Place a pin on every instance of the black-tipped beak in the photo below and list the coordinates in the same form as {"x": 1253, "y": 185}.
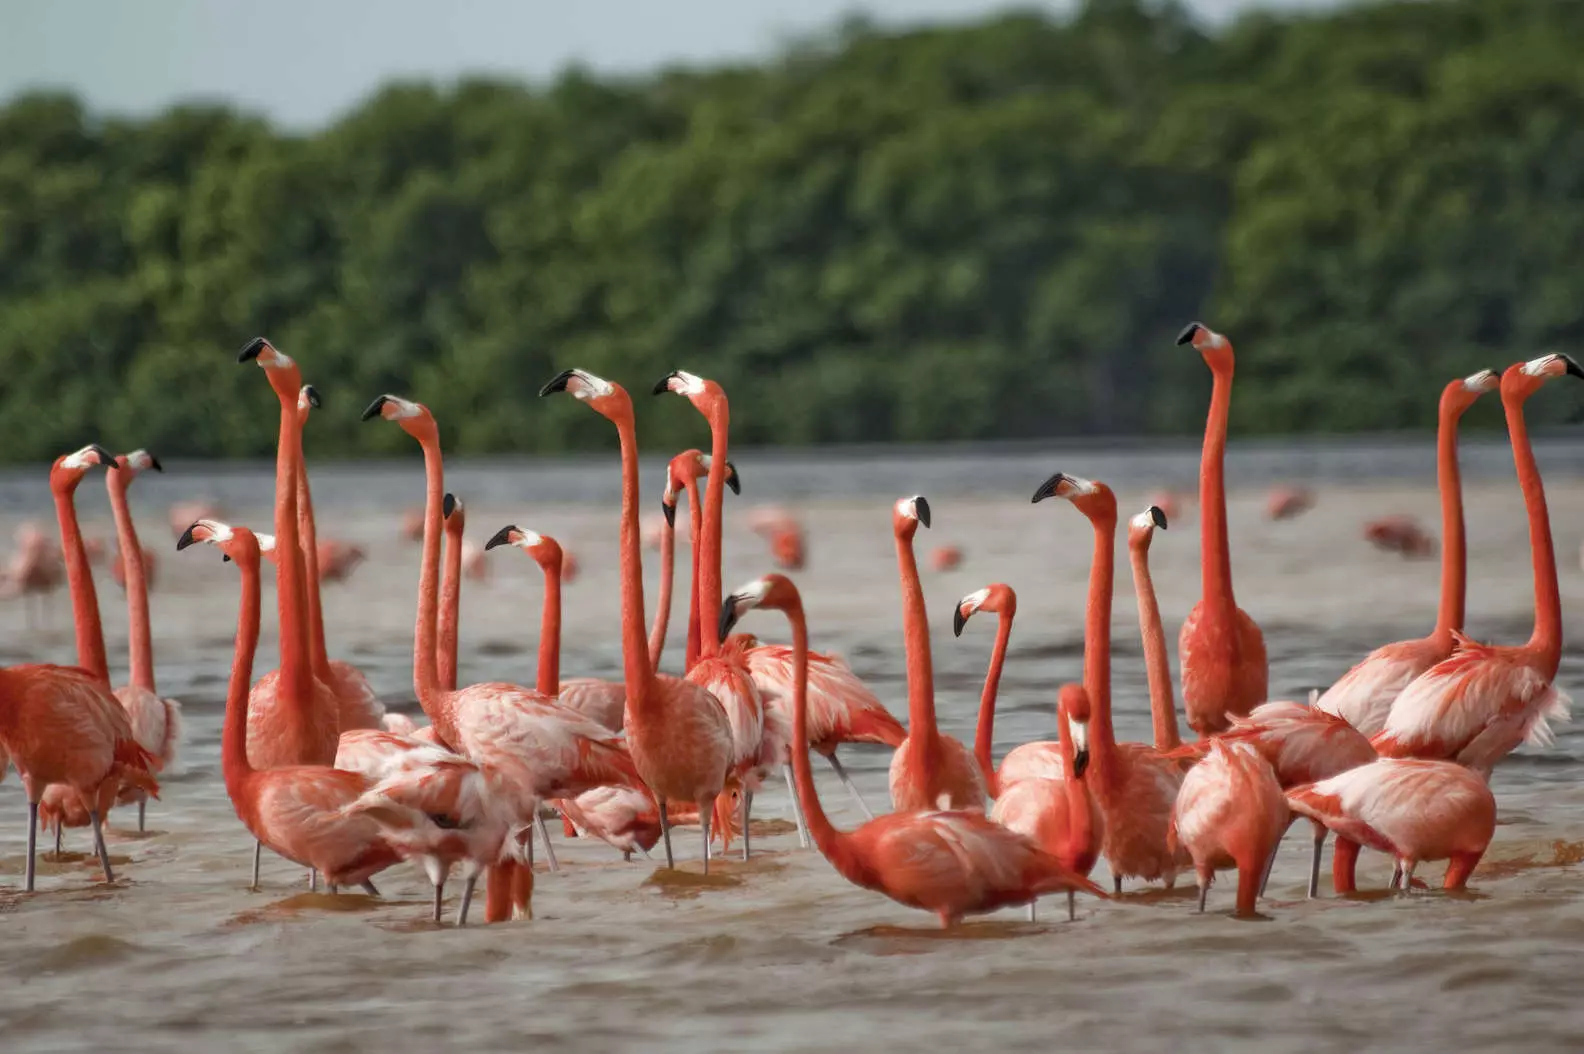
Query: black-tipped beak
{"x": 186, "y": 539}
{"x": 155, "y": 465}
{"x": 558, "y": 383}
{"x": 374, "y": 408}
{"x": 1188, "y": 333}
{"x": 448, "y": 506}
{"x": 225, "y": 558}
{"x": 959, "y": 620}
{"x": 1572, "y": 367}
{"x": 731, "y": 478}
{"x": 670, "y": 513}
{"x": 106, "y": 458}
{"x": 664, "y": 384}
{"x": 1080, "y": 762}
{"x": 1049, "y": 487}
{"x": 729, "y": 614}
{"x": 921, "y": 506}
{"x": 502, "y": 537}
{"x": 1158, "y": 516}
{"x": 254, "y": 348}
{"x": 313, "y": 396}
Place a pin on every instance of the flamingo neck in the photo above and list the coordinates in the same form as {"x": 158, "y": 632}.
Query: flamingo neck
{"x": 1215, "y": 550}
{"x": 636, "y": 671}
{"x": 79, "y": 579}
{"x": 662, "y": 615}
{"x": 426, "y": 671}
{"x": 984, "y": 734}
{"x": 290, "y": 592}
{"x": 234, "y": 762}
{"x": 319, "y": 652}
{"x": 1454, "y": 547}
{"x": 549, "y": 683}
{"x": 140, "y": 638}
{"x": 834, "y": 844}
{"x": 695, "y": 592}
{"x": 709, "y": 602}
{"x": 1546, "y": 641}
{"x": 450, "y": 614}
{"x": 916, "y": 644}
{"x": 1157, "y": 667}
{"x": 1097, "y": 648}
{"x": 1080, "y": 818}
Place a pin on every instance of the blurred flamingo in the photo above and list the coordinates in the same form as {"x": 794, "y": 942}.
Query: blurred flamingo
{"x": 183, "y": 513}
{"x": 945, "y": 557}
{"x": 1286, "y": 502}
{"x": 784, "y": 534}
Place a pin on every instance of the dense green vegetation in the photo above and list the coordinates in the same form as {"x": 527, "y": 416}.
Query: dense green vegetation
{"x": 984, "y": 231}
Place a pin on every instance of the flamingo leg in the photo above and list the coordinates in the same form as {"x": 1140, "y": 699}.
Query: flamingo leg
{"x": 1270, "y": 865}
{"x": 258, "y": 852}
{"x": 797, "y": 806}
{"x": 467, "y": 901}
{"x": 142, "y": 809}
{"x": 1204, "y": 891}
{"x": 58, "y": 829}
{"x": 334, "y": 889}
{"x": 645, "y": 852}
{"x": 705, "y": 808}
{"x": 852, "y": 788}
{"x": 32, "y": 842}
{"x": 1033, "y": 914}
{"x": 747, "y": 806}
{"x": 1116, "y": 884}
{"x": 1314, "y": 863}
{"x": 544, "y": 835}
{"x": 99, "y": 845}
{"x": 313, "y": 880}
{"x": 665, "y": 832}
{"x": 439, "y": 899}
{"x": 1072, "y": 905}
{"x": 1396, "y": 874}
{"x": 368, "y": 887}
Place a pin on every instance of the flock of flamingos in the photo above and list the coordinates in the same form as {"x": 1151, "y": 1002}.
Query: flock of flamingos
{"x": 1396, "y": 756}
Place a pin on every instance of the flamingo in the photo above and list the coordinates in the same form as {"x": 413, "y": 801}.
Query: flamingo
{"x": 546, "y": 749}
{"x": 118, "y": 568}
{"x": 1230, "y": 813}
{"x": 722, "y": 669}
{"x": 1060, "y": 816}
{"x": 1135, "y": 784}
{"x": 1157, "y": 667}
{"x": 1363, "y": 696}
{"x": 65, "y": 475}
{"x": 156, "y": 722}
{"x": 1284, "y": 503}
{"x": 1220, "y": 649}
{"x": 949, "y": 862}
{"x": 1399, "y": 534}
{"x": 1477, "y": 705}
{"x": 35, "y": 569}
{"x": 679, "y": 735}
{"x": 1414, "y": 809}
{"x": 945, "y": 557}
{"x": 929, "y": 770}
{"x": 623, "y": 817}
{"x": 682, "y": 474}
{"x": 1001, "y": 600}
{"x": 783, "y": 533}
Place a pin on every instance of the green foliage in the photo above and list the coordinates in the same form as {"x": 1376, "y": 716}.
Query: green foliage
{"x": 984, "y": 231}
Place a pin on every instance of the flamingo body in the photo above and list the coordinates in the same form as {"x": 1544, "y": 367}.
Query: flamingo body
{"x": 1230, "y": 813}
{"x": 842, "y": 709}
{"x": 1300, "y": 743}
{"x": 604, "y": 702}
{"x": 1364, "y": 695}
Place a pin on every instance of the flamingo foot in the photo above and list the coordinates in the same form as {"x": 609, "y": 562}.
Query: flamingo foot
{"x": 1204, "y": 892}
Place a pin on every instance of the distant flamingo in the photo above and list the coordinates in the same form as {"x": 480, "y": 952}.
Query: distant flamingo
{"x": 156, "y": 722}
{"x": 677, "y": 731}
{"x": 1284, "y": 503}
{"x": 1477, "y": 705}
{"x": 1220, "y": 649}
{"x": 1415, "y": 810}
{"x": 1135, "y": 784}
{"x": 338, "y": 559}
{"x": 929, "y": 770}
{"x": 946, "y": 557}
{"x": 35, "y": 569}
{"x": 1399, "y": 534}
{"x": 184, "y": 513}
{"x": 1363, "y": 696}
{"x": 999, "y": 599}
{"x": 950, "y": 863}
{"x": 528, "y": 740}
{"x": 1157, "y": 667}
{"x": 1169, "y": 501}
{"x": 118, "y": 568}
{"x": 722, "y": 669}
{"x": 1230, "y": 813}
{"x": 1060, "y": 816}
{"x": 784, "y": 534}
{"x": 412, "y": 524}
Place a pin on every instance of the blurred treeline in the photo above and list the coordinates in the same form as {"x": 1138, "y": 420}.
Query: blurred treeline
{"x": 975, "y": 232}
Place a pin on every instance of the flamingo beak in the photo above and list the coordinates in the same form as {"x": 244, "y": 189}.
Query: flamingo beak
{"x": 959, "y": 620}
{"x": 1157, "y": 515}
{"x": 1188, "y": 333}
{"x": 448, "y": 506}
{"x": 670, "y": 514}
{"x": 729, "y": 614}
{"x": 731, "y": 478}
{"x": 254, "y": 348}
{"x": 502, "y": 537}
{"x": 1080, "y": 762}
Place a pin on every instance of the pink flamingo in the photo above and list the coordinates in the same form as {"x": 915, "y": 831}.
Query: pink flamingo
{"x": 929, "y": 770}
{"x": 1157, "y": 667}
{"x": 1135, "y": 784}
{"x": 783, "y": 532}
{"x": 1230, "y": 813}
{"x": 951, "y": 863}
{"x": 945, "y": 557}
{"x": 678, "y": 733}
{"x": 530, "y": 740}
{"x": 999, "y": 599}
{"x": 682, "y": 474}
{"x": 65, "y": 475}
{"x": 1477, "y": 705}
{"x": 1363, "y": 696}
{"x": 623, "y": 817}
{"x": 1220, "y": 649}
{"x": 35, "y": 569}
{"x": 1284, "y": 503}
{"x": 1060, "y": 816}
{"x": 1413, "y": 809}
{"x": 156, "y": 722}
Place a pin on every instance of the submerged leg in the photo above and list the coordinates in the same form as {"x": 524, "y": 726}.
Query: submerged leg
{"x": 747, "y": 807}
{"x": 59, "y": 829}
{"x": 313, "y": 880}
{"x": 368, "y": 887}
{"x": 1314, "y": 863}
{"x": 797, "y": 806}
{"x": 1204, "y": 891}
{"x": 258, "y": 852}
{"x": 439, "y": 899}
{"x": 706, "y": 808}
{"x": 1396, "y": 874}
{"x": 1270, "y": 865}
{"x": 544, "y": 836}
{"x": 467, "y": 901}
{"x": 142, "y": 809}
{"x": 665, "y": 833}
{"x": 852, "y": 787}
{"x": 1116, "y": 884}
{"x": 1072, "y": 905}
{"x": 99, "y": 845}
{"x": 1033, "y": 914}
{"x": 32, "y": 843}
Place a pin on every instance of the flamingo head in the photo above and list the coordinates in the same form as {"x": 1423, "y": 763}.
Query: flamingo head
{"x": 307, "y": 399}
{"x": 690, "y": 466}
{"x": 139, "y": 460}
{"x": 1141, "y": 528}
{"x": 69, "y": 469}
{"x": 998, "y": 597}
{"x": 280, "y": 368}
{"x": 1523, "y": 379}
{"x": 1462, "y": 393}
{"x": 234, "y": 543}
{"x": 266, "y": 544}
{"x": 1072, "y": 704}
{"x": 545, "y": 550}
{"x": 1093, "y": 498}
{"x": 774, "y": 592}
{"x": 907, "y": 514}
{"x": 1215, "y": 348}
{"x": 607, "y": 398}
{"x": 454, "y": 513}
{"x": 706, "y": 396}
{"x": 414, "y": 418}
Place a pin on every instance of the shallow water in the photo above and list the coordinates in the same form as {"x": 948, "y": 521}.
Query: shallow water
{"x": 781, "y": 953}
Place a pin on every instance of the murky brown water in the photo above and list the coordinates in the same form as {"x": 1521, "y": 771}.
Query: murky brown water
{"x": 782, "y": 954}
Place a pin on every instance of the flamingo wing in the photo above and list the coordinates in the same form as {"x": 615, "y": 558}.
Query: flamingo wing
{"x": 1364, "y": 695}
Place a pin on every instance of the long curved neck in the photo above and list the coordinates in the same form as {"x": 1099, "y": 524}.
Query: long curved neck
{"x": 549, "y": 682}
{"x": 1454, "y": 547}
{"x": 1157, "y": 667}
{"x": 1097, "y": 649}
{"x": 1215, "y": 556}
{"x": 636, "y": 671}
{"x": 450, "y": 617}
{"x": 915, "y": 638}
{"x": 835, "y": 845}
{"x": 984, "y": 734}
{"x": 233, "y": 736}
{"x": 319, "y": 654}
{"x": 1080, "y": 819}
{"x": 1546, "y": 642}
{"x": 290, "y": 589}
{"x": 426, "y": 671}
{"x": 695, "y": 591}
{"x": 709, "y": 604}
{"x": 140, "y": 638}
{"x": 79, "y": 578}
{"x": 662, "y": 615}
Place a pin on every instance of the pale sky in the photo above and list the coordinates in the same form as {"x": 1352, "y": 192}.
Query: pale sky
{"x": 302, "y": 62}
